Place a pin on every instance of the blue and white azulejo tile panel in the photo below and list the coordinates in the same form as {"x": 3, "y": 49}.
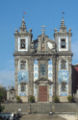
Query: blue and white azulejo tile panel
{"x": 22, "y": 76}
{"x": 63, "y": 93}
{"x": 35, "y": 70}
{"x": 35, "y": 90}
{"x": 51, "y": 90}
{"x": 63, "y": 76}
{"x": 50, "y": 70}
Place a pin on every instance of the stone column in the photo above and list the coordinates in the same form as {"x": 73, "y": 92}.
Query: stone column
{"x": 16, "y": 76}
{"x": 54, "y": 75}
{"x": 70, "y": 77}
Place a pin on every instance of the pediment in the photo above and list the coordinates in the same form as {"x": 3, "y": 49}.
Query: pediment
{"x": 43, "y": 80}
{"x": 44, "y": 44}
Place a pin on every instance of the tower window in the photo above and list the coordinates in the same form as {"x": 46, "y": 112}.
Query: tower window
{"x": 23, "y": 65}
{"x": 63, "y": 43}
{"x": 23, "y": 87}
{"x": 22, "y": 44}
{"x": 63, "y": 86}
{"x": 63, "y": 64}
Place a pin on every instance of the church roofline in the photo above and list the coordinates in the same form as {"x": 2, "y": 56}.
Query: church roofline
{"x": 42, "y": 35}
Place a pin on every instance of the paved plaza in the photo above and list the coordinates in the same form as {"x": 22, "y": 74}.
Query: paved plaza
{"x": 41, "y": 117}
{"x": 49, "y": 117}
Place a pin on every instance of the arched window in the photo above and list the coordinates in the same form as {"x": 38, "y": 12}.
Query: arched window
{"x": 63, "y": 64}
{"x": 22, "y": 44}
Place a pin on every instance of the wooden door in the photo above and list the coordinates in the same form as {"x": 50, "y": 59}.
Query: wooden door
{"x": 43, "y": 93}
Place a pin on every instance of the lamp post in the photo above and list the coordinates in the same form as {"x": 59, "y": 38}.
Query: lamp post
{"x": 52, "y": 109}
{"x": 19, "y": 110}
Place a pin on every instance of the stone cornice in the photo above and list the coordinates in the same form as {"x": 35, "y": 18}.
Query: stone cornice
{"x": 64, "y": 53}
{"x": 19, "y": 34}
{"x": 43, "y": 54}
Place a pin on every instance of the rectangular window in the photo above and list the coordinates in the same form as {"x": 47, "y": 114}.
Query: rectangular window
{"x": 63, "y": 86}
{"x": 63, "y": 43}
{"x": 23, "y": 87}
{"x": 22, "y": 44}
{"x": 42, "y": 69}
{"x": 23, "y": 65}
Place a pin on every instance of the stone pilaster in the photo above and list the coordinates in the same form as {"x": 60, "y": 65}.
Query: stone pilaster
{"x": 70, "y": 76}
{"x": 54, "y": 76}
{"x": 16, "y": 76}
{"x": 30, "y": 69}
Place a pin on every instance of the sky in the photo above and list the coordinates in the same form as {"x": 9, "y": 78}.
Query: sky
{"x": 38, "y": 13}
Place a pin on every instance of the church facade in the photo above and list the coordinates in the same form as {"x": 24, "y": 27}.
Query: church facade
{"x": 43, "y": 67}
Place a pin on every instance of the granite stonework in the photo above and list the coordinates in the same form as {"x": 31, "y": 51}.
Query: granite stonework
{"x": 38, "y": 64}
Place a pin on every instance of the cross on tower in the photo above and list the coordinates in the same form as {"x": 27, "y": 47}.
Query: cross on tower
{"x": 43, "y": 29}
{"x": 63, "y": 14}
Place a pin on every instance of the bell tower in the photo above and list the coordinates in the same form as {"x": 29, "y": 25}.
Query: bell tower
{"x": 64, "y": 61}
{"x": 63, "y": 38}
{"x": 23, "y": 40}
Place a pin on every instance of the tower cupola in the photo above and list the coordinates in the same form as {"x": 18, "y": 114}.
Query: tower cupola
{"x": 62, "y": 26}
{"x": 23, "y": 26}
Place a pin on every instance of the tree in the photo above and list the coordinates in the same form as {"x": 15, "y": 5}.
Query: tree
{"x": 18, "y": 99}
{"x": 31, "y": 99}
{"x": 56, "y": 99}
{"x": 3, "y": 94}
{"x": 70, "y": 99}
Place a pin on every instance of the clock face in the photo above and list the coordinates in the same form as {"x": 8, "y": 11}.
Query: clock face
{"x": 50, "y": 46}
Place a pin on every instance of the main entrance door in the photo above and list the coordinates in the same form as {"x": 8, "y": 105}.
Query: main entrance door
{"x": 42, "y": 93}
